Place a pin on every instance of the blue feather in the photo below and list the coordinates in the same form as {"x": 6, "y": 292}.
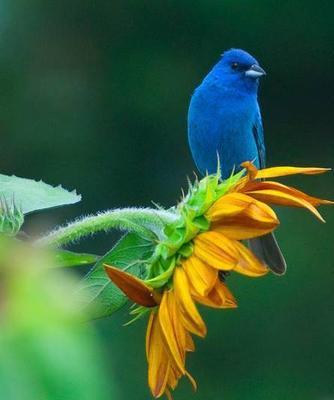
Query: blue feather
{"x": 259, "y": 139}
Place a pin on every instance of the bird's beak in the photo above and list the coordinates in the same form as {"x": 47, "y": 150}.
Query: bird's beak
{"x": 255, "y": 71}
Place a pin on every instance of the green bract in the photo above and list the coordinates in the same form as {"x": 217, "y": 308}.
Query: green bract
{"x": 11, "y": 218}
{"x": 191, "y": 212}
{"x": 189, "y": 223}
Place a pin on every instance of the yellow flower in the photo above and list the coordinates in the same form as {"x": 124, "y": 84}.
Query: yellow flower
{"x": 197, "y": 275}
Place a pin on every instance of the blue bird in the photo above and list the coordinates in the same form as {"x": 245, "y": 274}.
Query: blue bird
{"x": 224, "y": 123}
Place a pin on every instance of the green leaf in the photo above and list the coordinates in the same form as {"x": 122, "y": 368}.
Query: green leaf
{"x": 97, "y": 295}
{"x": 30, "y": 195}
{"x": 65, "y": 258}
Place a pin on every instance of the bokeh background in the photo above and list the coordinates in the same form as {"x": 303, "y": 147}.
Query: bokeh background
{"x": 94, "y": 95}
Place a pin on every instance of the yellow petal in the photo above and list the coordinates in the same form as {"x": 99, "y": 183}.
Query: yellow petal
{"x": 252, "y": 171}
{"x": 135, "y": 289}
{"x": 236, "y": 229}
{"x": 219, "y": 297}
{"x": 284, "y": 171}
{"x": 191, "y": 318}
{"x": 177, "y": 326}
{"x": 255, "y": 220}
{"x": 201, "y": 276}
{"x": 249, "y": 264}
{"x": 184, "y": 343}
{"x": 158, "y": 361}
{"x": 192, "y": 381}
{"x": 173, "y": 378}
{"x": 284, "y": 199}
{"x": 213, "y": 257}
{"x": 215, "y": 249}
{"x": 168, "y": 395}
{"x": 228, "y": 205}
{"x": 167, "y": 327}
{"x": 273, "y": 172}
{"x": 190, "y": 346}
{"x": 149, "y": 332}
{"x": 270, "y": 185}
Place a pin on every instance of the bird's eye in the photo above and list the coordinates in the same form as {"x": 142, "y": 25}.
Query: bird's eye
{"x": 234, "y": 66}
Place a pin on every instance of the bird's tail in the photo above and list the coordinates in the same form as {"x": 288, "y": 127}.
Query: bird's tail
{"x": 266, "y": 249}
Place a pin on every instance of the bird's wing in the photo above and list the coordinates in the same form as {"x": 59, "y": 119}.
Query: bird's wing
{"x": 259, "y": 138}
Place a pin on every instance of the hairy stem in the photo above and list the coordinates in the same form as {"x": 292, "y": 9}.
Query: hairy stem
{"x": 146, "y": 221}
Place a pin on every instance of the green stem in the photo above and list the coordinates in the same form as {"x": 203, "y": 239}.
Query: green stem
{"x": 145, "y": 221}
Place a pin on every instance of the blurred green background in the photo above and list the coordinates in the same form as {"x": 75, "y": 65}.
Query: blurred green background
{"x": 94, "y": 95}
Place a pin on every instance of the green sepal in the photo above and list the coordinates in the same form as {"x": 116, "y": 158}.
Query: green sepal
{"x": 227, "y": 184}
{"x": 203, "y": 195}
{"x": 202, "y": 223}
{"x": 186, "y": 250}
{"x": 173, "y": 242}
{"x": 11, "y": 217}
{"x": 138, "y": 312}
{"x": 160, "y": 280}
{"x": 65, "y": 258}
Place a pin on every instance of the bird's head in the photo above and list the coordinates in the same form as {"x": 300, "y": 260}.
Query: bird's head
{"x": 239, "y": 69}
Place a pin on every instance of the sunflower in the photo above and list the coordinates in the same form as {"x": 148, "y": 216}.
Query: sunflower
{"x": 190, "y": 265}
